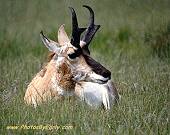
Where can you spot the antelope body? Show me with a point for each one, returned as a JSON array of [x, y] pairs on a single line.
[[72, 71]]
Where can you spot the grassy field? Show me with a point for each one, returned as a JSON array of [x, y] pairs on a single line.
[[133, 42]]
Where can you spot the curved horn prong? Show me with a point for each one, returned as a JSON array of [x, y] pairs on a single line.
[[90, 31], [76, 31], [91, 15], [74, 20]]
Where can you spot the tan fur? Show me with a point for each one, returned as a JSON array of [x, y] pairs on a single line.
[[42, 87], [62, 36], [50, 56], [65, 81]]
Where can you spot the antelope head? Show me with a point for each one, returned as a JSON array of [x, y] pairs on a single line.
[[75, 52]]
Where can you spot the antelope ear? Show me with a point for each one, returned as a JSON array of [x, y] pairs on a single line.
[[62, 36], [51, 45]]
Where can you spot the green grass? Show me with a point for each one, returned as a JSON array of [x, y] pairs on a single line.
[[142, 78]]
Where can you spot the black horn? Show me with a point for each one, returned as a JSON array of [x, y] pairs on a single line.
[[76, 31], [91, 29]]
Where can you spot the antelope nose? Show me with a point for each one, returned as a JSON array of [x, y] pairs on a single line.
[[107, 74]]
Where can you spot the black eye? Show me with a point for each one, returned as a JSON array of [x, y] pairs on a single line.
[[77, 53], [72, 56]]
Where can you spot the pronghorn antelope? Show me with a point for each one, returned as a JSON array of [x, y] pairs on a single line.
[[72, 71]]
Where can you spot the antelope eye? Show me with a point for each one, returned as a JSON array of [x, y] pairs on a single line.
[[72, 55]]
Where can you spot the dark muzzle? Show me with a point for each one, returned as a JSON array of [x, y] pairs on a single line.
[[97, 67]]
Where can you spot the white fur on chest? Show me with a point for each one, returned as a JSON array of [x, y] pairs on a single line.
[[96, 94]]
